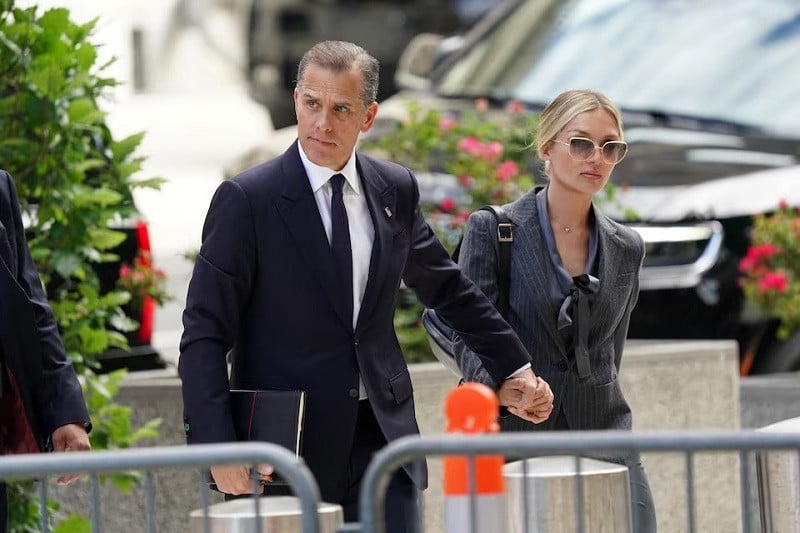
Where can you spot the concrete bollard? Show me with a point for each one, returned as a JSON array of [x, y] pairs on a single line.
[[543, 493], [779, 482], [277, 514], [474, 492]]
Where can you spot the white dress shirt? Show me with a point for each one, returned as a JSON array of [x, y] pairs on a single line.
[[362, 232]]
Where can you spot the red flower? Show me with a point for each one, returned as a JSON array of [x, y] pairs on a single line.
[[447, 205], [773, 281], [766, 250], [746, 264]]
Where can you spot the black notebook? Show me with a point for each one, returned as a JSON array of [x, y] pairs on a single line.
[[274, 416]]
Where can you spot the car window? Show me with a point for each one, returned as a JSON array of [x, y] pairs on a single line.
[[717, 59]]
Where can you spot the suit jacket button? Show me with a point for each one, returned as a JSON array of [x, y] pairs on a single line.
[[562, 365], [353, 393]]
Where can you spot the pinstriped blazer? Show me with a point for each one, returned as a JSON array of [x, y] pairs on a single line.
[[594, 402]]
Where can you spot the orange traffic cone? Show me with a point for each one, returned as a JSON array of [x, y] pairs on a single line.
[[473, 409]]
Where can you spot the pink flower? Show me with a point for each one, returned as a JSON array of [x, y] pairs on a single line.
[[507, 170], [492, 151], [515, 107], [773, 281], [470, 145], [783, 204], [124, 271], [447, 123]]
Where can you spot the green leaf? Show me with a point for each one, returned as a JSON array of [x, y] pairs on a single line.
[[86, 55], [55, 21], [74, 524], [151, 183], [125, 147], [83, 111], [106, 238], [65, 263]]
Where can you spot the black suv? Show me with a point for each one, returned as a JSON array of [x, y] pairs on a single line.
[[710, 95]]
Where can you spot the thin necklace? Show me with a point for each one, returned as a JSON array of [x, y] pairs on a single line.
[[565, 229]]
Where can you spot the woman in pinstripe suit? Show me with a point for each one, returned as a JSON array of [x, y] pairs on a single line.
[[574, 278]]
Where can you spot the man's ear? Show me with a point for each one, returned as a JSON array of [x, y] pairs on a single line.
[[369, 119]]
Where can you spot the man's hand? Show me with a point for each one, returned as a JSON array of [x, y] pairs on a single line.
[[70, 438], [236, 479], [527, 396]]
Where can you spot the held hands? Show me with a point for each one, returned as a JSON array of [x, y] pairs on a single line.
[[236, 480], [527, 396], [70, 438]]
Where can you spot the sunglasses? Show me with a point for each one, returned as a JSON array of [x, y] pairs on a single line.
[[581, 149]]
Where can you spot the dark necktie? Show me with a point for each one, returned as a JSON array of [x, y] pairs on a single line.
[[340, 241]]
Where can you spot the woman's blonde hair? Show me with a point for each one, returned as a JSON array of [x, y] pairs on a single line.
[[567, 106]]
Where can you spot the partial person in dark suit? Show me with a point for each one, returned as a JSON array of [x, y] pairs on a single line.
[[41, 403], [270, 285], [574, 277]]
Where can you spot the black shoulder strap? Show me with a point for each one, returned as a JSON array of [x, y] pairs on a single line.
[[505, 236]]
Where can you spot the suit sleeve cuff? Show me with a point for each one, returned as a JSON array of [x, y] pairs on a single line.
[[519, 371]]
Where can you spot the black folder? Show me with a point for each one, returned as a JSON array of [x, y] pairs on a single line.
[[272, 415]]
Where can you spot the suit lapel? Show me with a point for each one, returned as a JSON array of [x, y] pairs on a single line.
[[298, 208], [381, 199], [611, 252], [533, 265]]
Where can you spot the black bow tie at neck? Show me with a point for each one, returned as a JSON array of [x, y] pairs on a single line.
[[582, 288]]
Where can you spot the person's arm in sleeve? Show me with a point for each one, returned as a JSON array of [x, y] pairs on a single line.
[[218, 296], [439, 284], [66, 416], [478, 261]]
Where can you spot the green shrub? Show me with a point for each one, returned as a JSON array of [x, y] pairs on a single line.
[[74, 180]]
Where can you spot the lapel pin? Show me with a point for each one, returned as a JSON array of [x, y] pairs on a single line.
[[388, 212]]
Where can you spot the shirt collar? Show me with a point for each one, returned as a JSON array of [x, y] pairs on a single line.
[[319, 176]]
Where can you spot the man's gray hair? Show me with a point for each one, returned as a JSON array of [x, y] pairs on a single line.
[[340, 56]]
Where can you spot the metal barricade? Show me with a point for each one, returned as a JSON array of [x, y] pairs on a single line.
[[690, 445], [779, 483], [41, 466]]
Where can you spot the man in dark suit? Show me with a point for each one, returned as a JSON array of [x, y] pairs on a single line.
[[298, 276], [41, 404]]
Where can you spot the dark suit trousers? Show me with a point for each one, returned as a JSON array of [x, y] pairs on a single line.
[[643, 510], [401, 510]]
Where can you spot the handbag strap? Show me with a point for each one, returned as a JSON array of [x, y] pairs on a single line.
[[505, 236]]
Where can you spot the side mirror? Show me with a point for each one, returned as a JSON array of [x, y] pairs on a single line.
[[417, 61]]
